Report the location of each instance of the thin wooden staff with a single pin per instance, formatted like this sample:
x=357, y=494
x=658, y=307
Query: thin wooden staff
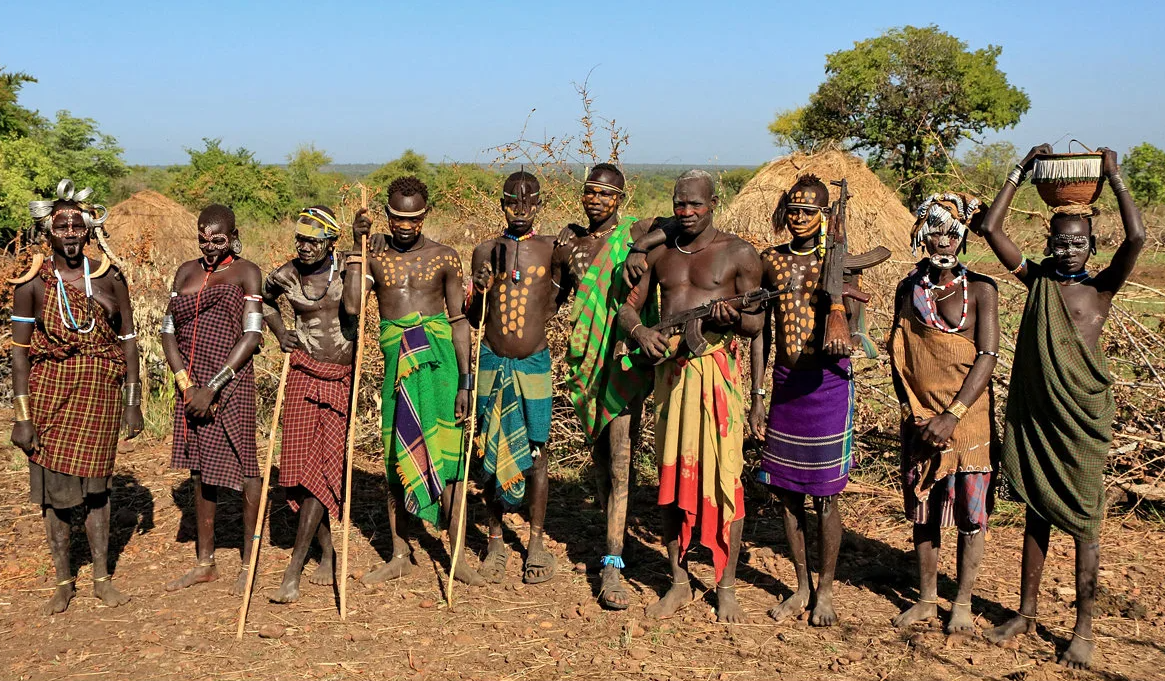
x=352, y=418
x=470, y=427
x=259, y=521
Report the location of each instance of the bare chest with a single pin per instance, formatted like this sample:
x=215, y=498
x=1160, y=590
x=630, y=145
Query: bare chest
x=419, y=272
x=1088, y=309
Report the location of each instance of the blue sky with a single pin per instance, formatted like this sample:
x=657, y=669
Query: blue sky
x=692, y=83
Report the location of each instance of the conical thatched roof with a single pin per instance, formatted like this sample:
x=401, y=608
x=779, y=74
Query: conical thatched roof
x=151, y=228
x=876, y=216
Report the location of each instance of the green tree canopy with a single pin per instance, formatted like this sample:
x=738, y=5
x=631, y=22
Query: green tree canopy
x=985, y=166
x=905, y=98
x=1145, y=167
x=409, y=163
x=309, y=185
x=31, y=166
x=255, y=192
x=15, y=120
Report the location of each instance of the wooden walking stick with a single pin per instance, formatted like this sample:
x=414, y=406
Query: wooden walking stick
x=352, y=418
x=471, y=426
x=259, y=521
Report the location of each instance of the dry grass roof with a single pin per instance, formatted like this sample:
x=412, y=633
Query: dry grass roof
x=876, y=216
x=149, y=227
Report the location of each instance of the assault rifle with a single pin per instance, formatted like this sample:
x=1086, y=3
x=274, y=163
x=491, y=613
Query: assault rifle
x=692, y=320
x=839, y=265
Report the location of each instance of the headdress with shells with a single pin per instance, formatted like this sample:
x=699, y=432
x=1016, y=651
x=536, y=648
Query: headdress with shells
x=942, y=212
x=93, y=215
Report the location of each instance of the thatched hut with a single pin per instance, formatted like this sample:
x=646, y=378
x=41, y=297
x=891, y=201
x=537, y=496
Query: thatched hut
x=876, y=216
x=149, y=229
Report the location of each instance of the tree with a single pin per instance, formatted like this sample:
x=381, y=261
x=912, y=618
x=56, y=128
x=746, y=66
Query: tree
x=309, y=186
x=89, y=157
x=986, y=166
x=31, y=166
x=15, y=120
x=906, y=98
x=255, y=192
x=1145, y=167
x=409, y=163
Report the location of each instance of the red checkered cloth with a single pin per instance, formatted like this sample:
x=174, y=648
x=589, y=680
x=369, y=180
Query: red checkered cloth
x=315, y=429
x=221, y=448
x=75, y=387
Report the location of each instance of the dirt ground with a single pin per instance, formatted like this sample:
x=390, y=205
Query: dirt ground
x=556, y=630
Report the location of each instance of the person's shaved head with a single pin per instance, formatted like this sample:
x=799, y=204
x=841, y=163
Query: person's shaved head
x=519, y=178
x=217, y=215
x=607, y=173
x=701, y=176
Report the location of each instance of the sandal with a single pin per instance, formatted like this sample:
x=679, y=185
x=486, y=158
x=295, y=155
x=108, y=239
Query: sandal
x=613, y=587
x=493, y=566
x=536, y=561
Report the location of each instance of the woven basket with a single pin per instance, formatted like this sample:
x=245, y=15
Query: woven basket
x=1066, y=179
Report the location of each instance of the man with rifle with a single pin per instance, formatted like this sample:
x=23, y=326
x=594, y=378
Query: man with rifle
x=699, y=434
x=810, y=422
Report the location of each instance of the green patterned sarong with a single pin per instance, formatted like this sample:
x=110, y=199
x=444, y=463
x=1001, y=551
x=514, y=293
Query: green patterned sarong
x=422, y=441
x=513, y=411
x=1059, y=415
x=600, y=387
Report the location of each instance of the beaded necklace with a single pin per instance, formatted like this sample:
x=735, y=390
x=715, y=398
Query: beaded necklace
x=516, y=274
x=331, y=274
x=932, y=313
x=1073, y=279
x=64, y=309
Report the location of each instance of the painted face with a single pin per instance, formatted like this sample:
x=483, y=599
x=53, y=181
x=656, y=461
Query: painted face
x=520, y=203
x=214, y=240
x=406, y=230
x=943, y=248
x=68, y=233
x=311, y=251
x=1070, y=243
x=802, y=222
x=693, y=203
x=600, y=203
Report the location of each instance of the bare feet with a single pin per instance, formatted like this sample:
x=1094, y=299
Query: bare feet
x=288, y=591
x=792, y=606
x=466, y=574
x=1079, y=653
x=679, y=595
x=60, y=599
x=324, y=574
x=240, y=584
x=197, y=575
x=961, y=621
x=493, y=566
x=1016, y=625
x=823, y=614
x=399, y=566
x=108, y=593
x=613, y=595
x=727, y=609
x=919, y=612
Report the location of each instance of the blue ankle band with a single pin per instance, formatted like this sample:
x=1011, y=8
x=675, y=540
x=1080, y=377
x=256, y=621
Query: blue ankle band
x=617, y=561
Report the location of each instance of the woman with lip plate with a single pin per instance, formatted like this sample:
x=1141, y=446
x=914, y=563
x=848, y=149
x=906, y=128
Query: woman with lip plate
x=943, y=348
x=209, y=334
x=75, y=379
